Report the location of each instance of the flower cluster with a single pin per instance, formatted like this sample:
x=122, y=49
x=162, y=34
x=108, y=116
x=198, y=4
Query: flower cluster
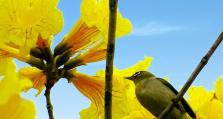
x=27, y=28
x=22, y=23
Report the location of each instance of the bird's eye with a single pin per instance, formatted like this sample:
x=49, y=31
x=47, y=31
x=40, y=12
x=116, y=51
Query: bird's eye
x=136, y=74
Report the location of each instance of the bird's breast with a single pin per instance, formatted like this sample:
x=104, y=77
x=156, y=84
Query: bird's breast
x=153, y=95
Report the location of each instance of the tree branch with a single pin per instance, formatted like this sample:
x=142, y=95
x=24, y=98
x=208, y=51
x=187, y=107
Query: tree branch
x=109, y=58
x=49, y=105
x=190, y=80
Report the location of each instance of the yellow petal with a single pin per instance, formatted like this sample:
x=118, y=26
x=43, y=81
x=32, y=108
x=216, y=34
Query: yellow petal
x=211, y=110
x=4, y=54
x=95, y=53
x=36, y=76
x=8, y=82
x=142, y=65
x=215, y=110
x=81, y=36
x=22, y=21
x=96, y=13
x=12, y=106
x=6, y=66
x=17, y=108
x=198, y=97
x=8, y=50
x=219, y=89
x=91, y=87
x=91, y=112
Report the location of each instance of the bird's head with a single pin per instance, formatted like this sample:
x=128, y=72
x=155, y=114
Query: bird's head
x=140, y=75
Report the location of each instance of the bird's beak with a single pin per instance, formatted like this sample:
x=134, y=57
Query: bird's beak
x=130, y=78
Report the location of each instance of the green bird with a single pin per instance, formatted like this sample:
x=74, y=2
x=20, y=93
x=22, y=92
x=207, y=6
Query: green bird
x=156, y=93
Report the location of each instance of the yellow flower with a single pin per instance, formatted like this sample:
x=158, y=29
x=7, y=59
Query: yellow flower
x=12, y=105
x=123, y=94
x=91, y=30
x=207, y=104
x=23, y=21
x=199, y=96
x=37, y=77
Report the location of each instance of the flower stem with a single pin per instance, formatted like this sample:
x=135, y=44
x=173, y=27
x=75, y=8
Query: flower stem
x=110, y=58
x=190, y=80
x=49, y=105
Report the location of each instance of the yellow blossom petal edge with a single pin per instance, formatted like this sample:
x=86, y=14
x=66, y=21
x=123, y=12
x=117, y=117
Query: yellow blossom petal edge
x=35, y=75
x=198, y=97
x=17, y=108
x=22, y=21
x=215, y=109
x=10, y=51
x=81, y=36
x=12, y=106
x=142, y=65
x=92, y=87
x=10, y=82
x=96, y=13
x=90, y=113
x=6, y=66
x=211, y=110
x=95, y=53
x=219, y=89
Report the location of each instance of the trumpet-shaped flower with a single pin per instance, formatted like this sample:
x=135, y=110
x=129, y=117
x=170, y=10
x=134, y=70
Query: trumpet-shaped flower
x=37, y=77
x=12, y=105
x=198, y=97
x=207, y=104
x=123, y=94
x=80, y=36
x=23, y=21
x=90, y=32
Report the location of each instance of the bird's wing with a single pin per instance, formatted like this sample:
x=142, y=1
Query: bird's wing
x=183, y=101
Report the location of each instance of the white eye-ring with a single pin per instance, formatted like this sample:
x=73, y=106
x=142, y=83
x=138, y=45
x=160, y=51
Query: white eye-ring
x=136, y=74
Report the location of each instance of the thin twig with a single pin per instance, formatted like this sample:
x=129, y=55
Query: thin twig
x=190, y=80
x=48, y=101
x=110, y=57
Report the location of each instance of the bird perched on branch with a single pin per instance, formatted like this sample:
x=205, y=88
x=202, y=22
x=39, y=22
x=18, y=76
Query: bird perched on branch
x=156, y=93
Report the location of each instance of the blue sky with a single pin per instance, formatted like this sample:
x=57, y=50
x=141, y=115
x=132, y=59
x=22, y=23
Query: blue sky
x=175, y=33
